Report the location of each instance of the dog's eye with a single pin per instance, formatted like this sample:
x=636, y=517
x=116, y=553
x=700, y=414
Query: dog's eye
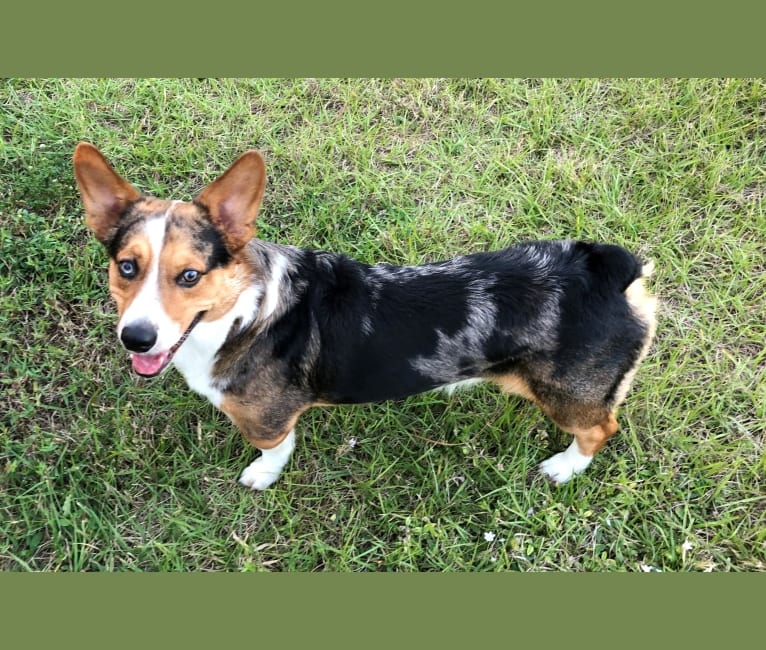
x=127, y=268
x=188, y=278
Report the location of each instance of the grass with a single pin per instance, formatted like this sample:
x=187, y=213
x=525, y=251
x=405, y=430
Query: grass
x=102, y=471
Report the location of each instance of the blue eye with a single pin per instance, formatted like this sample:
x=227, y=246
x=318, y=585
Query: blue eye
x=127, y=268
x=188, y=278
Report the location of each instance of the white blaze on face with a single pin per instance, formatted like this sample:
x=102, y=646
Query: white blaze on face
x=147, y=305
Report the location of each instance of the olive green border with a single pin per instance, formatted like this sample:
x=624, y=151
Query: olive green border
x=352, y=610
x=389, y=39
x=396, y=38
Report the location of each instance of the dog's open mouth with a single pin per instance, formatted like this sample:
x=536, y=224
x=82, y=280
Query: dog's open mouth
x=151, y=365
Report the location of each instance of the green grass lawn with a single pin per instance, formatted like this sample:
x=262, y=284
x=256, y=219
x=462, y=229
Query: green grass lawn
x=101, y=470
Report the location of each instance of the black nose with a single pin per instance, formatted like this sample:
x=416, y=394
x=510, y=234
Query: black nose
x=139, y=337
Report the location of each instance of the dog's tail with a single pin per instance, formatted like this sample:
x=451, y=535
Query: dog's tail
x=617, y=266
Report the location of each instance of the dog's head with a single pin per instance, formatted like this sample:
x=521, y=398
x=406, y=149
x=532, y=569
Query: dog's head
x=172, y=264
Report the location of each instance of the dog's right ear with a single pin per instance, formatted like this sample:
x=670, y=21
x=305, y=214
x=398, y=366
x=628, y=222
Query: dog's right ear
x=234, y=199
x=105, y=195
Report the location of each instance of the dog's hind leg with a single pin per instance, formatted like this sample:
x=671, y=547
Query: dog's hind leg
x=591, y=424
x=590, y=433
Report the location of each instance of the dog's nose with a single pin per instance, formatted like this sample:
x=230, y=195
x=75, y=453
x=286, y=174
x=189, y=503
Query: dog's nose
x=139, y=337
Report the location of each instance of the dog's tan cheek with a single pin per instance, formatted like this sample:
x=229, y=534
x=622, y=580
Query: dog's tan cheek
x=182, y=304
x=216, y=293
x=221, y=294
x=121, y=290
x=221, y=290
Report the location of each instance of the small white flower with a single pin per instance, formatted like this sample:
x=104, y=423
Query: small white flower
x=489, y=536
x=646, y=568
x=687, y=546
x=352, y=442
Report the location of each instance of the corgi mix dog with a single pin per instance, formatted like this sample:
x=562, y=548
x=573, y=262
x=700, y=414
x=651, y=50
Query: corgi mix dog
x=266, y=331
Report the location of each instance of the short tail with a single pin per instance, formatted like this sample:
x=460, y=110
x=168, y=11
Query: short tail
x=619, y=267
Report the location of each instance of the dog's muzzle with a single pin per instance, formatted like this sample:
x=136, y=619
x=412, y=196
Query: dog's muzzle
x=139, y=337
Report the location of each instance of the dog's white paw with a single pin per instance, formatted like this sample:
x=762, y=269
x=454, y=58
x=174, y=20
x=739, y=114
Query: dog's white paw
x=263, y=471
x=563, y=466
x=258, y=475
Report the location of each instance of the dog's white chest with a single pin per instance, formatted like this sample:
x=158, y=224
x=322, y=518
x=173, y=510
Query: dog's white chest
x=195, y=363
x=196, y=357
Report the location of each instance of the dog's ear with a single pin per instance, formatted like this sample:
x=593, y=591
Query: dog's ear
x=105, y=195
x=234, y=199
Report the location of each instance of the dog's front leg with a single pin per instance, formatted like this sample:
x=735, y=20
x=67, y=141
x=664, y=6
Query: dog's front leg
x=269, y=426
x=263, y=471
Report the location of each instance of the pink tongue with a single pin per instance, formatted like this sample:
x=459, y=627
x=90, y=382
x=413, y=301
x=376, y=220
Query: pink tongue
x=148, y=364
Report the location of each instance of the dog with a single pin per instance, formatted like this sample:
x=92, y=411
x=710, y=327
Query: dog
x=267, y=331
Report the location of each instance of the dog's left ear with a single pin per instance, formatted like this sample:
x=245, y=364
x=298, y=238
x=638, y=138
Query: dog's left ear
x=105, y=194
x=234, y=199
